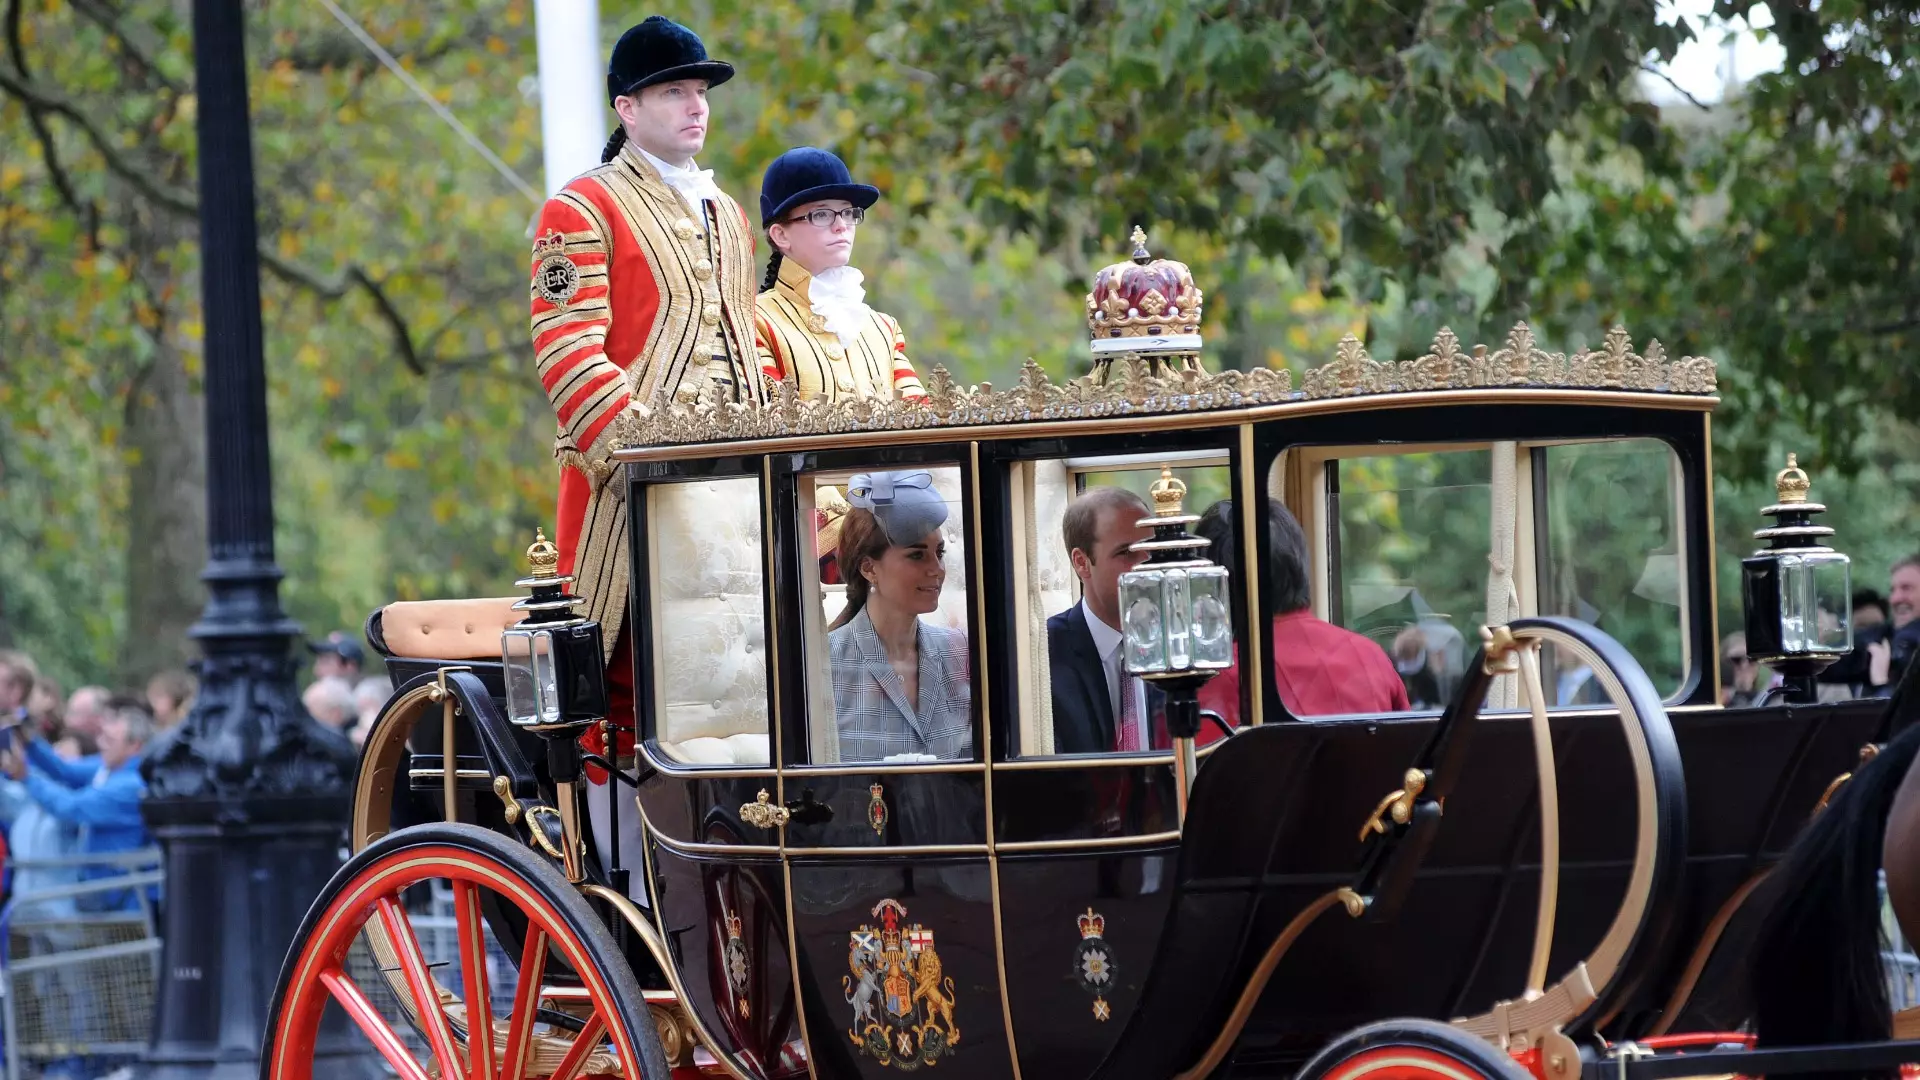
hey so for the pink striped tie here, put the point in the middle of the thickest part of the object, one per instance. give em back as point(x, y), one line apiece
point(1129, 716)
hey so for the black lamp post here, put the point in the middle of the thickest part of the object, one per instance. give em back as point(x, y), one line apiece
point(1797, 591)
point(1175, 621)
point(249, 795)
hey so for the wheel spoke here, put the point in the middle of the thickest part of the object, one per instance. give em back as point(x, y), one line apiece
point(583, 1045)
point(526, 1004)
point(348, 994)
point(425, 992)
point(473, 971)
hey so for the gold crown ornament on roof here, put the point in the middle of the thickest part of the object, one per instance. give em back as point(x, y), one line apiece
point(1144, 305)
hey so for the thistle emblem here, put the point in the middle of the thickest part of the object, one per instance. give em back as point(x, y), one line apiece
point(1093, 963)
point(738, 969)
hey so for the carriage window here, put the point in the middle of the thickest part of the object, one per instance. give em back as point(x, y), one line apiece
point(1610, 554)
point(708, 589)
point(889, 674)
point(1072, 520)
point(1407, 546)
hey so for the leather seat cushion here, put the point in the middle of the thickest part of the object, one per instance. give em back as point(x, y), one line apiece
point(447, 629)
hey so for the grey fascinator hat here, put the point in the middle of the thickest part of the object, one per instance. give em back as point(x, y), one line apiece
point(904, 503)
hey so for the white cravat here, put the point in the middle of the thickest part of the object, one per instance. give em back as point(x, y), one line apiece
point(840, 301)
point(691, 181)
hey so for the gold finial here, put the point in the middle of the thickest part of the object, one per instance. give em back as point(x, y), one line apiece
point(1790, 484)
point(543, 559)
point(1167, 492)
point(1139, 238)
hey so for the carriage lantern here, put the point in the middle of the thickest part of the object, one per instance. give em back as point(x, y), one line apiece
point(1176, 622)
point(555, 670)
point(1797, 590)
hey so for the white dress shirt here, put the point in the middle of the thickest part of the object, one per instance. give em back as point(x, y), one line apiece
point(1106, 642)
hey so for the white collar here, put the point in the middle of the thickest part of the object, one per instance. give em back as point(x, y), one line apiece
point(1106, 640)
point(836, 296)
point(690, 180)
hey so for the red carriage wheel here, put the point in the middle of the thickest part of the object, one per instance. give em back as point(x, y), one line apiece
point(596, 1024)
point(1410, 1050)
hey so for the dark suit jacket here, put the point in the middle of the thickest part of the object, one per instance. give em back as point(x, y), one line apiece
point(1082, 711)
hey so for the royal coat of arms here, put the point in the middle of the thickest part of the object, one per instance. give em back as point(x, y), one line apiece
point(902, 1002)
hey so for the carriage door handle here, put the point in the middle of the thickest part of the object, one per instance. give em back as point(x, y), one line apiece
point(762, 814)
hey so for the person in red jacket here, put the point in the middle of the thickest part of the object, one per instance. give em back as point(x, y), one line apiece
point(643, 294)
point(1320, 669)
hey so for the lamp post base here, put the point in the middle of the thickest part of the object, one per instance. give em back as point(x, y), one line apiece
point(236, 892)
point(248, 798)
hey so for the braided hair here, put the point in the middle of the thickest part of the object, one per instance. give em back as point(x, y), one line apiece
point(773, 268)
point(614, 142)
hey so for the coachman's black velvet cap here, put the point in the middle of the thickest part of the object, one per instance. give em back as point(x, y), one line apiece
point(807, 174)
point(656, 51)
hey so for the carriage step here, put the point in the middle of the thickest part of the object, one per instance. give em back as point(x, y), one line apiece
point(469, 773)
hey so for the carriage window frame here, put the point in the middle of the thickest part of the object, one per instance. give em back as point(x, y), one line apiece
point(793, 578)
point(646, 657)
point(1229, 447)
point(1297, 477)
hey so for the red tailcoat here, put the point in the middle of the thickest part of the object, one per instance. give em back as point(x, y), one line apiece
point(633, 296)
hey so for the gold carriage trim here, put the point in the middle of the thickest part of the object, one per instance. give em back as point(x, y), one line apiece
point(1136, 386)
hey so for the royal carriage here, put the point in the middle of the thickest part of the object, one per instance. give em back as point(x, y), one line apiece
point(1544, 865)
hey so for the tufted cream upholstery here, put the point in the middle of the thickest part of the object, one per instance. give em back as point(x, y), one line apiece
point(708, 584)
point(447, 629)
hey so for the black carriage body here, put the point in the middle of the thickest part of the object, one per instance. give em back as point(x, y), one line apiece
point(1020, 866)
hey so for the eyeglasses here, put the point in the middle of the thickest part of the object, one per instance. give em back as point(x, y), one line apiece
point(823, 217)
point(1739, 660)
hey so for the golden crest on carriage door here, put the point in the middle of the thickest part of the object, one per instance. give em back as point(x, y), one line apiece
point(902, 1001)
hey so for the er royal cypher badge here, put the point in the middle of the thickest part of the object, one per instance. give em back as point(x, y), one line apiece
point(902, 1002)
point(556, 279)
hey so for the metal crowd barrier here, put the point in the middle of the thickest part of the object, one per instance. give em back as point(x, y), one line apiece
point(78, 982)
point(1902, 966)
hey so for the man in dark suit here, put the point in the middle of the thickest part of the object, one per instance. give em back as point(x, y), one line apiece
point(1097, 707)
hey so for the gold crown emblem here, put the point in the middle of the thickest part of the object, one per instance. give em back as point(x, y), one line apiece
point(1168, 493)
point(1145, 297)
point(1092, 924)
point(733, 925)
point(551, 244)
point(1790, 485)
point(543, 559)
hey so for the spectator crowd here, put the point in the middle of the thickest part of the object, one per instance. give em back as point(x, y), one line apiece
point(70, 781)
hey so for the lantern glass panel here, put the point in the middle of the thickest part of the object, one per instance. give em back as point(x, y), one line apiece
point(1212, 635)
point(1816, 605)
point(532, 696)
point(1145, 629)
point(1176, 607)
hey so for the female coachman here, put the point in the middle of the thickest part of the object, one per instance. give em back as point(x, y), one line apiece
point(900, 685)
point(812, 323)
